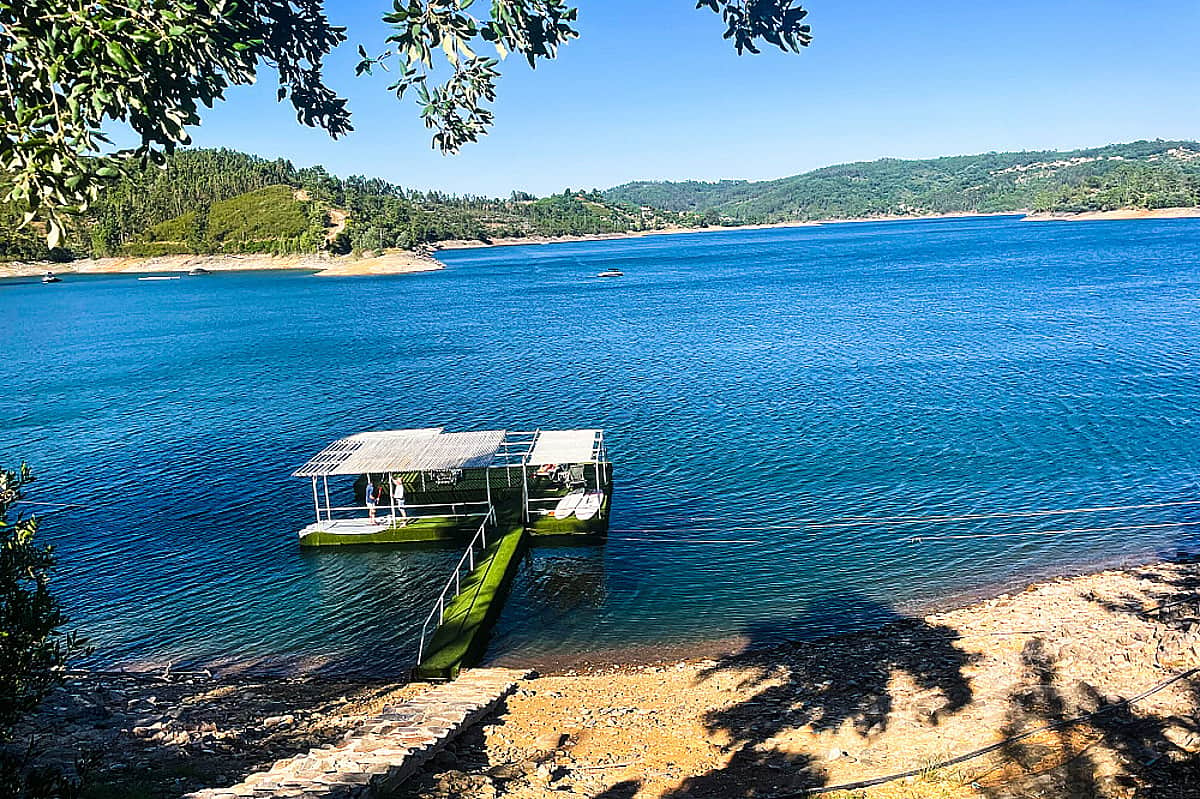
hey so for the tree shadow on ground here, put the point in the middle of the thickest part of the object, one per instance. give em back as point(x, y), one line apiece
point(1115, 750)
point(461, 769)
point(622, 790)
point(1171, 598)
point(842, 680)
point(149, 735)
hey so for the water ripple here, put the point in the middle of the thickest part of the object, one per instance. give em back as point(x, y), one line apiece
point(753, 384)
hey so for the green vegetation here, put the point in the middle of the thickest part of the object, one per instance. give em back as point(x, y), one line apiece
point(457, 109)
point(74, 73)
point(222, 201)
point(269, 220)
point(33, 650)
point(1144, 174)
point(155, 211)
point(468, 617)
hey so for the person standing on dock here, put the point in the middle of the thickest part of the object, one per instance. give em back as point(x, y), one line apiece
point(398, 496)
point(370, 496)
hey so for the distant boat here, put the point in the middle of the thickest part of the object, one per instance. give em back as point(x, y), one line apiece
point(50, 277)
point(161, 277)
point(611, 272)
point(199, 270)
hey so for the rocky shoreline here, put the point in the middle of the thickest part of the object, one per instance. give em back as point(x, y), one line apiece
point(1117, 214)
point(391, 262)
point(1045, 675)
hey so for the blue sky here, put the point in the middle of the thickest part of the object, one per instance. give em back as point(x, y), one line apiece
point(651, 91)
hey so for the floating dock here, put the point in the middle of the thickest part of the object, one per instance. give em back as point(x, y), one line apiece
point(494, 491)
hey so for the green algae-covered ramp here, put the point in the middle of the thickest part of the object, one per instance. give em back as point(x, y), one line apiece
point(467, 618)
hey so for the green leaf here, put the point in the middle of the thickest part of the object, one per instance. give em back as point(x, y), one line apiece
point(117, 53)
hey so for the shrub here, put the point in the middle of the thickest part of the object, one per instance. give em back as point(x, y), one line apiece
point(33, 650)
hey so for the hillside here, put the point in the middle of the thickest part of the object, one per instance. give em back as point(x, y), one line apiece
point(1156, 174)
point(274, 219)
point(222, 201)
point(226, 202)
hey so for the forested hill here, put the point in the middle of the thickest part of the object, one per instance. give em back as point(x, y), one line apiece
point(1144, 174)
point(223, 201)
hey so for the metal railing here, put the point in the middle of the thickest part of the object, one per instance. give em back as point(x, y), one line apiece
point(455, 581)
point(411, 510)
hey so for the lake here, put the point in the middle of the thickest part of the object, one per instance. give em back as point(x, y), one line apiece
point(786, 410)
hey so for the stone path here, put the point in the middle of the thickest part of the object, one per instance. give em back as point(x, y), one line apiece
point(384, 751)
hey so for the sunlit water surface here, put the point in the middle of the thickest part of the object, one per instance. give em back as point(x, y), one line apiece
point(758, 388)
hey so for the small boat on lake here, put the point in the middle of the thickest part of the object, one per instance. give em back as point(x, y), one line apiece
point(611, 272)
point(199, 270)
point(50, 277)
point(161, 277)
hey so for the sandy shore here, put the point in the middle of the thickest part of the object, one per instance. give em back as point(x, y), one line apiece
point(918, 217)
point(464, 244)
point(1124, 213)
point(1081, 687)
point(393, 262)
point(467, 244)
point(1055, 663)
point(1161, 213)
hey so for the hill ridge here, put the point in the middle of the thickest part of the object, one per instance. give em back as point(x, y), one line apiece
point(1141, 174)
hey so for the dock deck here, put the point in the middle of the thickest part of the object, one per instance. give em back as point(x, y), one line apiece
point(412, 530)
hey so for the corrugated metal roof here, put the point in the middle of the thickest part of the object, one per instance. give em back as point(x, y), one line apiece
point(564, 446)
point(431, 449)
point(368, 452)
point(455, 451)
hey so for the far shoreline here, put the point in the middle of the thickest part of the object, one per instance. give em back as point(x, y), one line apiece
point(1183, 212)
point(390, 262)
point(1022, 215)
point(471, 244)
point(398, 262)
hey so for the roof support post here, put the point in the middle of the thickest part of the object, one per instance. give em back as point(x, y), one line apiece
point(487, 484)
point(525, 489)
point(316, 500)
point(600, 454)
point(392, 494)
point(328, 504)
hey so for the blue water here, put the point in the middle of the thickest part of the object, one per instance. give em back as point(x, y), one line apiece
point(759, 389)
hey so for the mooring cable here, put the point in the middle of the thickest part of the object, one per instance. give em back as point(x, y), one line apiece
point(917, 539)
point(985, 750)
point(912, 539)
point(859, 521)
